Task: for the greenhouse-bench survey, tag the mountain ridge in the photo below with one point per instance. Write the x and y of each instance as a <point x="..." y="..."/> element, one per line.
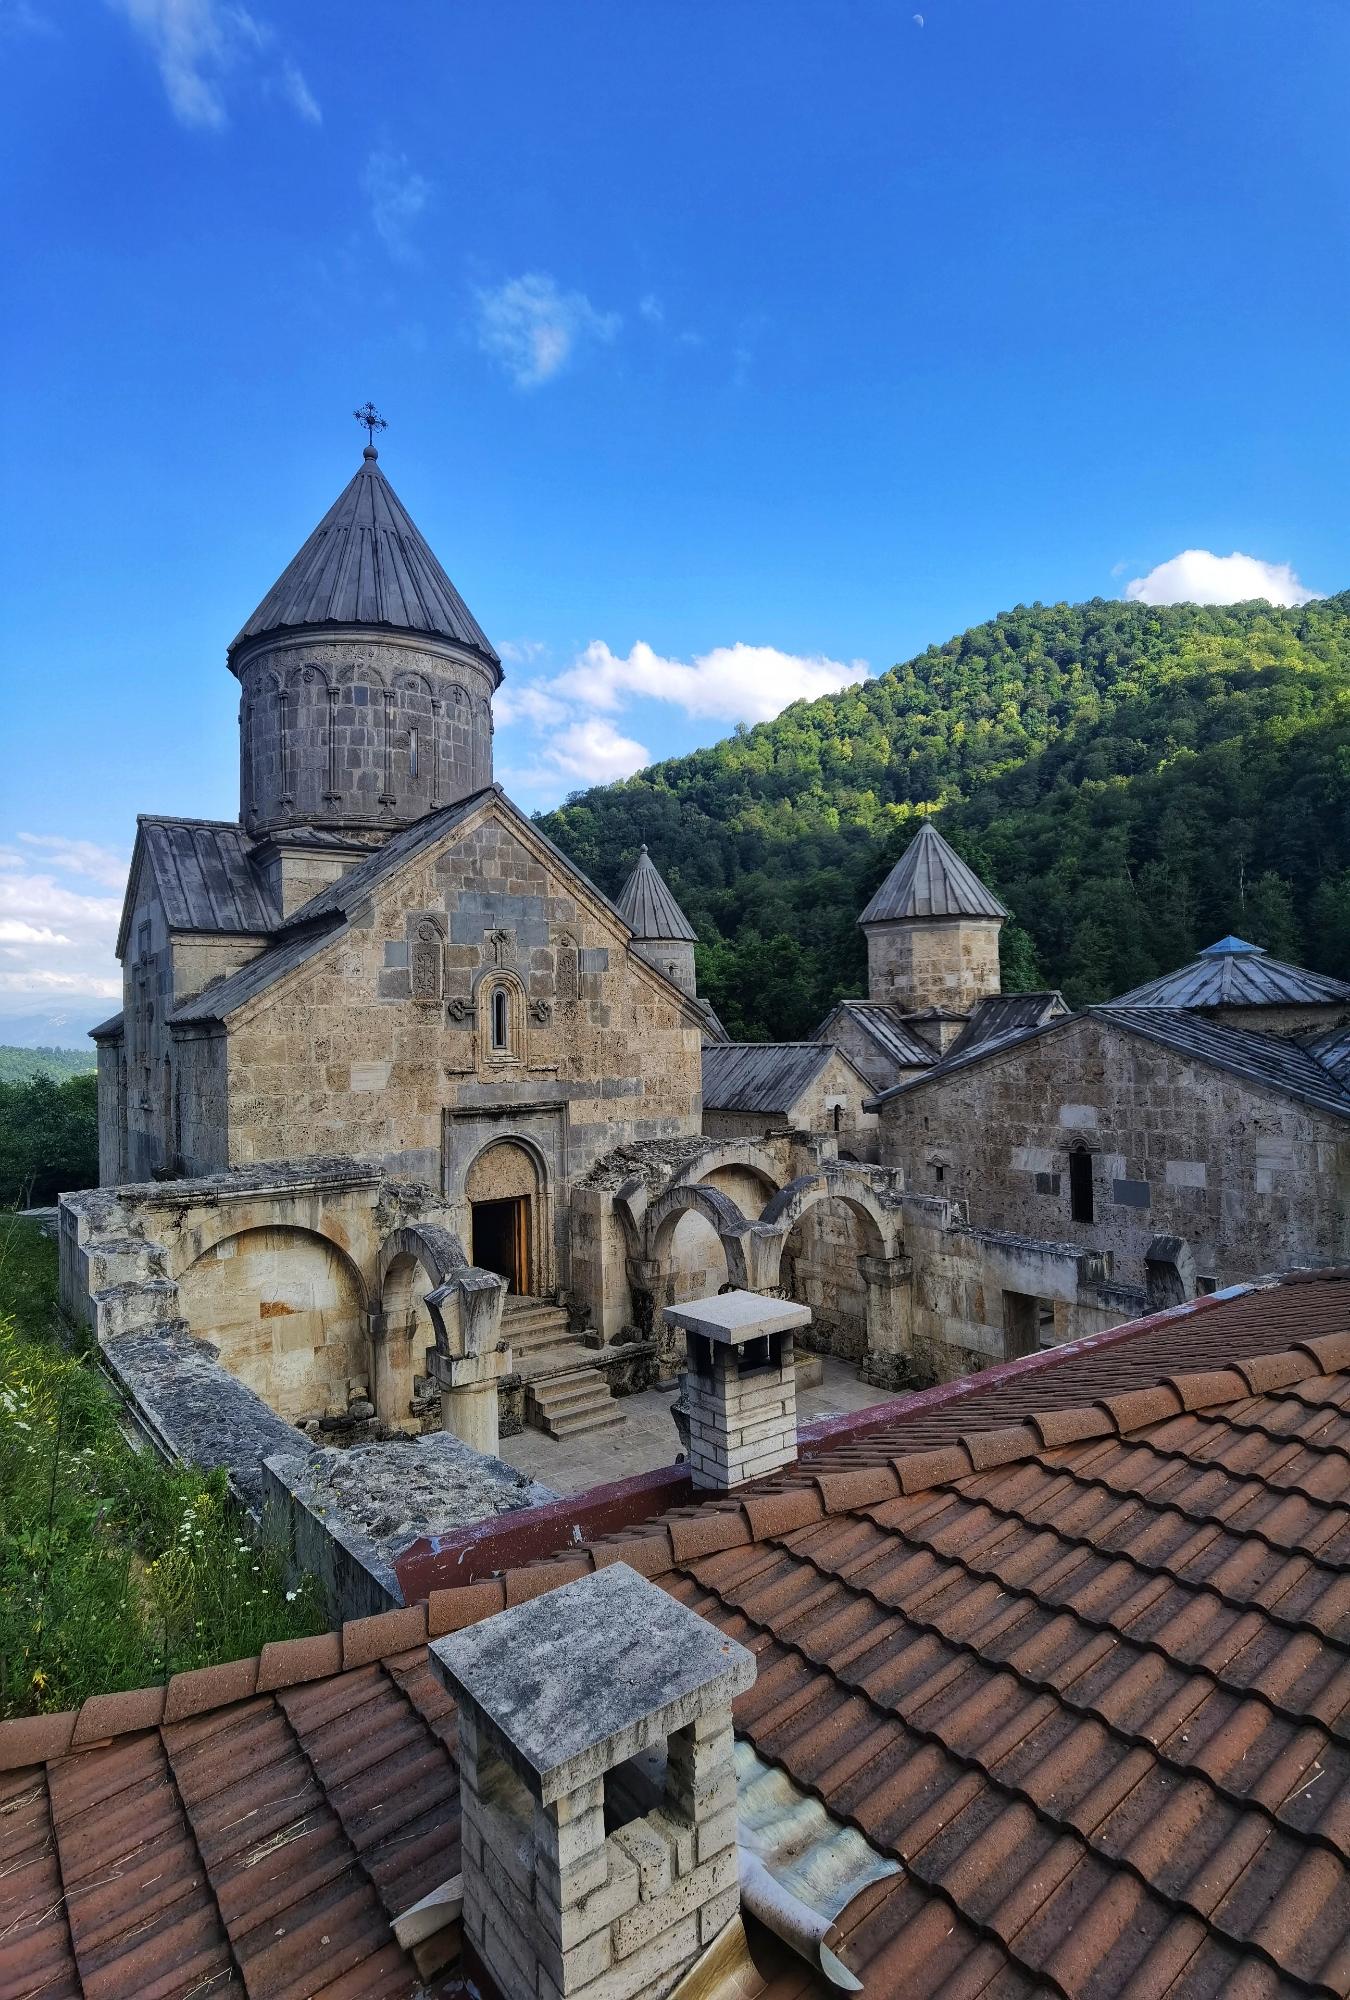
<point x="1132" y="780"/>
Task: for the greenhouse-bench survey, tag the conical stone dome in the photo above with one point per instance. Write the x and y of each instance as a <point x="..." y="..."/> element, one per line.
<point x="367" y="681"/>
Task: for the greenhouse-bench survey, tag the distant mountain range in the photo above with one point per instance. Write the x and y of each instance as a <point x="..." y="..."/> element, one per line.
<point x="1133" y="780"/>
<point x="63" y="1027"/>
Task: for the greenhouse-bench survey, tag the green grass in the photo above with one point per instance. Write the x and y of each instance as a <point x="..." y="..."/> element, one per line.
<point x="116" y="1570"/>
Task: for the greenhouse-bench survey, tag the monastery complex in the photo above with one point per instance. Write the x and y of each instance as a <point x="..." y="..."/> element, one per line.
<point x="1026" y="1675"/>
<point x="403" y="1115"/>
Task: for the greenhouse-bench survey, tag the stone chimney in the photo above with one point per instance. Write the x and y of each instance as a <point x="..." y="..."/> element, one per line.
<point x="564" y="1895"/>
<point x="740" y="1388"/>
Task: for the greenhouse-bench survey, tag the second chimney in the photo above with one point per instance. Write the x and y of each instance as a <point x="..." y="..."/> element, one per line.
<point x="740" y="1388"/>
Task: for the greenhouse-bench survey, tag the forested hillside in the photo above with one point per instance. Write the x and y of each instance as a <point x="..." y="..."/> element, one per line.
<point x="1132" y="780"/>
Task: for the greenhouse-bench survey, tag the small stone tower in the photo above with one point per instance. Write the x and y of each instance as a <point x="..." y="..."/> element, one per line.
<point x="367" y="682"/>
<point x="932" y="931"/>
<point x="662" y="933"/>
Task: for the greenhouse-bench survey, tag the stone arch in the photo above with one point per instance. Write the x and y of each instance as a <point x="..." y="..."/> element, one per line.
<point x="831" y="1229"/>
<point x="847" y="1185"/>
<point x="730" y="1225"/>
<point x="286" y="1307"/>
<point x="414" y="1264"/>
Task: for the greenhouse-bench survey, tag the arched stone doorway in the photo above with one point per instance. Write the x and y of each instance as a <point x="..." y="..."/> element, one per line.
<point x="505" y="1193"/>
<point x="287" y="1310"/>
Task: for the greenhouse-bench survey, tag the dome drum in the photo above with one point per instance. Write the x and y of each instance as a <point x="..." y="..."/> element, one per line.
<point x="359" y="730"/>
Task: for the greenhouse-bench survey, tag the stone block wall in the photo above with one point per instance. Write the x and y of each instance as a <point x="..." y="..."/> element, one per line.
<point x="555" y="1907"/>
<point x="1252" y="1179"/>
<point x="342" y="1053"/>
<point x="949" y="962"/>
<point x="742" y="1417"/>
<point x="347" y="730"/>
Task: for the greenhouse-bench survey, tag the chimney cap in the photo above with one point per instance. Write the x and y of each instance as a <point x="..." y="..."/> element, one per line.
<point x="733" y="1318"/>
<point x="575" y="1682"/>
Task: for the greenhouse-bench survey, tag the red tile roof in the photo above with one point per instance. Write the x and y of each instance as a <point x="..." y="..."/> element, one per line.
<point x="1085" y="1672"/>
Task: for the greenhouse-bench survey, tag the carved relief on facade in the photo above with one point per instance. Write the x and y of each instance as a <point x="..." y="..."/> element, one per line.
<point x="427" y="961"/>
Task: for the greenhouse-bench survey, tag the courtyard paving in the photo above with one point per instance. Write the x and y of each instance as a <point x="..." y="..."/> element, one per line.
<point x="646" y="1438"/>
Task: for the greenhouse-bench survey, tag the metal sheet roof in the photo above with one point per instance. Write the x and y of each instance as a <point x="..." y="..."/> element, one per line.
<point x="649" y="909"/>
<point x="367" y="563"/>
<point x="931" y="880"/>
<point x="1332" y="1050"/>
<point x="205" y="879"/>
<point x="885" y="1025"/>
<point x="1002" y="1016"/>
<point x="761" y="1076"/>
<point x="1233" y="973"/>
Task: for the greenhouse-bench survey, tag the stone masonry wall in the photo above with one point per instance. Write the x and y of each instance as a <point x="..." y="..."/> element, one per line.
<point x="341" y="1054"/>
<point x="350" y="730"/>
<point x="949" y="963"/>
<point x="1253" y="1180"/>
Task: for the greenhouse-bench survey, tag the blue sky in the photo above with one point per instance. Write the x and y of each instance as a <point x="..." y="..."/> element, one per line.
<point x="730" y="348"/>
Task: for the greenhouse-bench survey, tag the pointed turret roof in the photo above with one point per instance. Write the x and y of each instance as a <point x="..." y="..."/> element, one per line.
<point x="931" y="880"/>
<point x="367" y="563"/>
<point x="648" y="908"/>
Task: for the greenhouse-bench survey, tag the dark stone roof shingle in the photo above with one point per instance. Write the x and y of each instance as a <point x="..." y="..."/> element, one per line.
<point x="367" y="563"/>
<point x="205" y="878"/>
<point x="649" y="909"/>
<point x="762" y="1076"/>
<point x="884" y="1025"/>
<point x="931" y="880"/>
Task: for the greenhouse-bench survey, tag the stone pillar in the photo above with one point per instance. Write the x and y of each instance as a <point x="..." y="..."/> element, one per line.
<point x="469" y="1358"/>
<point x="890" y="1316"/>
<point x="740" y="1388"/>
<point x="554" y="1696"/>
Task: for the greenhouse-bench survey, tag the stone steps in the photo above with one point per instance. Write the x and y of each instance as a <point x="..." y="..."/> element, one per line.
<point x="566" y="1405"/>
<point x="565" y="1394"/>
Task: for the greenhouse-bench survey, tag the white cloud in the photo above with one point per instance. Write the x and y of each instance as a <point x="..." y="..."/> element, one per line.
<point x="651" y="308"/>
<point x="299" y="95"/>
<point x="397" y="197"/>
<point x="595" y="752"/>
<point x="527" y="701"/>
<point x="56" y="938"/>
<point x="741" y="683"/>
<point x="1197" y="576"/>
<point x="199" y="44"/>
<point x="84" y="858"/>
<point x="534" y="330"/>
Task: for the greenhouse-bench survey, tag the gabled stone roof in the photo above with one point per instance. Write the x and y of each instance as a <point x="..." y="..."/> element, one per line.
<point x="649" y="909"/>
<point x="1233" y="973"/>
<point x="765" y="1076"/>
<point x="205" y="878"/>
<point x="367" y="563"/>
<point x="931" y="880"/>
<point x="885" y="1026"/>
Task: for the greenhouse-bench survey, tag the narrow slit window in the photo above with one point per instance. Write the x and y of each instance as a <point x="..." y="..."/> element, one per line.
<point x="412" y="753"/>
<point x="1080" y="1185"/>
<point x="500" y="1020"/>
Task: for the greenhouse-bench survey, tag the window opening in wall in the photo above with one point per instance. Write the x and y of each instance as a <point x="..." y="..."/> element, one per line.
<point x="501" y="1024"/>
<point x="412" y="753"/>
<point x="939" y="1172"/>
<point x="1080" y="1185"/>
<point x="1204" y="1286"/>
